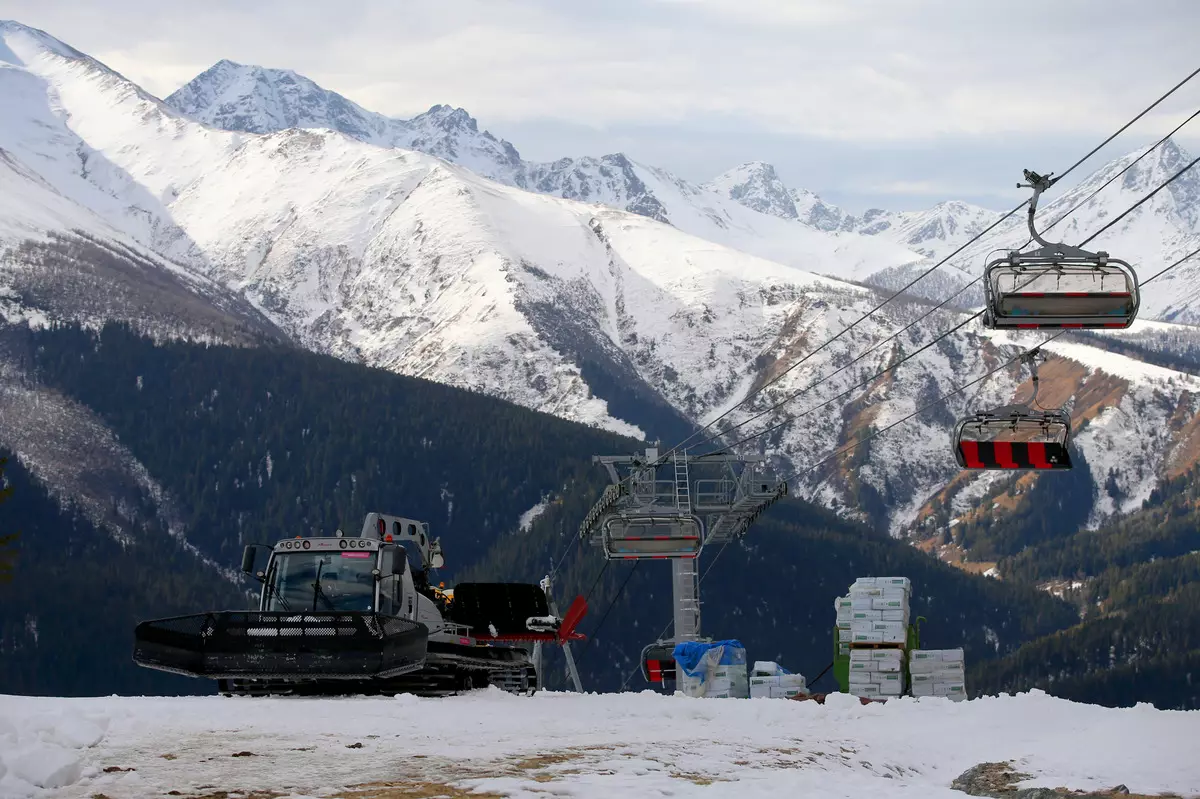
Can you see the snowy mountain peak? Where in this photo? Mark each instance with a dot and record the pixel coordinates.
(257, 99)
(13, 34)
(756, 185)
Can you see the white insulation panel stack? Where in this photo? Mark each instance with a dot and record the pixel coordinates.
(875, 611)
(769, 680)
(938, 672)
(876, 672)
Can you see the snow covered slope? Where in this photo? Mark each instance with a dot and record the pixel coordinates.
(495, 744)
(399, 259)
(934, 233)
(1155, 235)
(259, 100)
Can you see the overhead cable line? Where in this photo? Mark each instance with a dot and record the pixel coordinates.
(850, 447)
(941, 336)
(930, 270)
(977, 380)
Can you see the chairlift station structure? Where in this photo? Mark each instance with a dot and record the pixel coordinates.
(670, 507)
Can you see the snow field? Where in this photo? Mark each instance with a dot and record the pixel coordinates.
(558, 744)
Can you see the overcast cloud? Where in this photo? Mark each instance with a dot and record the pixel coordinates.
(893, 103)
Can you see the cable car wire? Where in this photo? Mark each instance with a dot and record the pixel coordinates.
(785, 422)
(899, 422)
(946, 301)
(930, 270)
(608, 610)
(965, 386)
(977, 237)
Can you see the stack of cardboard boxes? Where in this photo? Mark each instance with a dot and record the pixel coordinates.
(770, 680)
(875, 611)
(876, 672)
(938, 672)
(872, 621)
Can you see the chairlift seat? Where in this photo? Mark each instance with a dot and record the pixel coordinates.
(1060, 287)
(637, 536)
(1014, 437)
(658, 662)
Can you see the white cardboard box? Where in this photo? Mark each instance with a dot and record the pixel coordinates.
(866, 637)
(787, 692)
(882, 603)
(862, 678)
(891, 689)
(867, 615)
(887, 626)
(864, 690)
(887, 678)
(888, 666)
(895, 615)
(864, 665)
(949, 689)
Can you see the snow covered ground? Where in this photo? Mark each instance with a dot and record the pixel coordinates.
(495, 744)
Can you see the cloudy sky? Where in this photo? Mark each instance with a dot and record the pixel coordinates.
(888, 103)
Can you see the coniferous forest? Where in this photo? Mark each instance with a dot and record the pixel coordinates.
(249, 445)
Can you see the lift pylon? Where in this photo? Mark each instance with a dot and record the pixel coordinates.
(670, 508)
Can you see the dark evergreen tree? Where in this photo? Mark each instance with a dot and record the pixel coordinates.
(8, 539)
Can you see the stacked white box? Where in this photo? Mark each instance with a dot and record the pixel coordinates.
(876, 672)
(938, 672)
(875, 611)
(778, 686)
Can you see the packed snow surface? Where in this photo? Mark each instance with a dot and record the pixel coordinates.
(586, 746)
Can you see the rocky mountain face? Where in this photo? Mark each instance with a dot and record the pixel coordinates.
(641, 320)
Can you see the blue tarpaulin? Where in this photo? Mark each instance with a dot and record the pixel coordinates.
(692, 655)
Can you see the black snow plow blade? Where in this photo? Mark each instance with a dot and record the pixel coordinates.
(282, 645)
(502, 607)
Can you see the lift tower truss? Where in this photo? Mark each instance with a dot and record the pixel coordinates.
(671, 507)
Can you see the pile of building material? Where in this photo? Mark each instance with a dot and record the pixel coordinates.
(769, 680)
(714, 669)
(872, 634)
(875, 611)
(938, 672)
(877, 672)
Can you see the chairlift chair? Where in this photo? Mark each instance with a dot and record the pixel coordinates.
(658, 662)
(1015, 437)
(652, 536)
(1056, 285)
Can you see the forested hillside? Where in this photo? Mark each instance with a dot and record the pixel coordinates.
(1136, 583)
(254, 444)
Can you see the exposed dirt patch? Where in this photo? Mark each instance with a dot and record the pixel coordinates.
(999, 780)
(415, 789)
(1186, 451)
